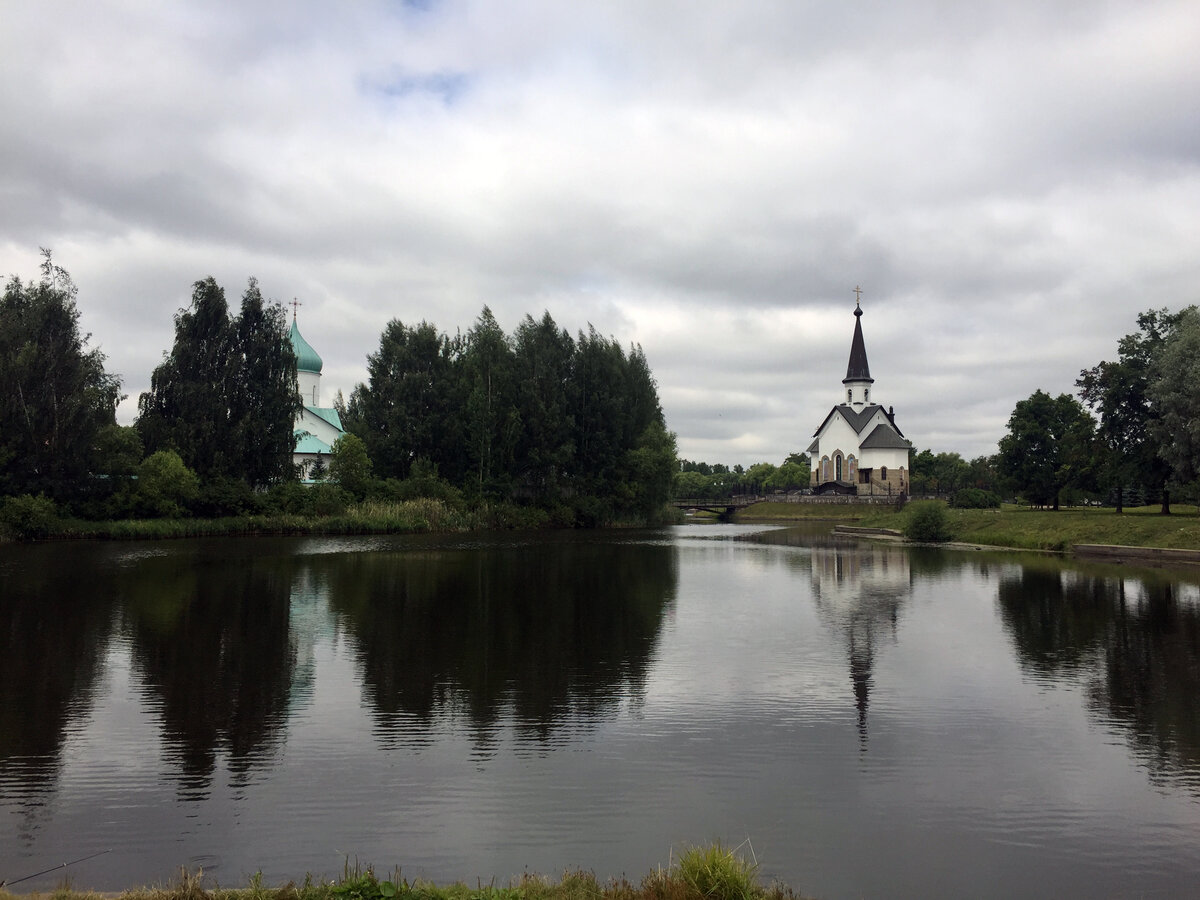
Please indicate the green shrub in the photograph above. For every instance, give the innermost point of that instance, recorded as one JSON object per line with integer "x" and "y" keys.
{"x": 289, "y": 497}
{"x": 165, "y": 485}
{"x": 327, "y": 500}
{"x": 715, "y": 873}
{"x": 28, "y": 517}
{"x": 223, "y": 496}
{"x": 927, "y": 522}
{"x": 510, "y": 516}
{"x": 349, "y": 465}
{"x": 591, "y": 512}
{"x": 974, "y": 498}
{"x": 422, "y": 481}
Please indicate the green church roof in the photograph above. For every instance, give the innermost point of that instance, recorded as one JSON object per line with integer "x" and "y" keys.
{"x": 307, "y": 359}
{"x": 308, "y": 443}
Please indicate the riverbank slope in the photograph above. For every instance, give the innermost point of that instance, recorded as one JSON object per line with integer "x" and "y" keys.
{"x": 1012, "y": 526}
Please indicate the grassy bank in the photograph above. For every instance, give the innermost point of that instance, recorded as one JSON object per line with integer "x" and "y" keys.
{"x": 700, "y": 873}
{"x": 407, "y": 517}
{"x": 1013, "y": 526}
{"x": 419, "y": 516}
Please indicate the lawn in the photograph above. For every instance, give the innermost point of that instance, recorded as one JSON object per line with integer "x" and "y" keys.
{"x": 1017, "y": 526}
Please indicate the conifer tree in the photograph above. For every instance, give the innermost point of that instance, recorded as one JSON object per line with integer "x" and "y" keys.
{"x": 55, "y": 396}
{"x": 226, "y": 396}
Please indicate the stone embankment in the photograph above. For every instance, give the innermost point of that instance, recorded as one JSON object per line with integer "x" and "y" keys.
{"x": 1117, "y": 553}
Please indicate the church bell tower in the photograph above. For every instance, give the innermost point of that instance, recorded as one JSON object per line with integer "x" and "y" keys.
{"x": 858, "y": 380}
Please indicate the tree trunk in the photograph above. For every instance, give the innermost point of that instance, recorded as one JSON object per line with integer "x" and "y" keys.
{"x": 1166, "y": 501}
{"x": 1120, "y": 498}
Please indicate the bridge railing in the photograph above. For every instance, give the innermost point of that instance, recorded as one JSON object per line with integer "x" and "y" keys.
{"x": 698, "y": 502}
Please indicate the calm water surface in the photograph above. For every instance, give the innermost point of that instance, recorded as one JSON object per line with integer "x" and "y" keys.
{"x": 875, "y": 722}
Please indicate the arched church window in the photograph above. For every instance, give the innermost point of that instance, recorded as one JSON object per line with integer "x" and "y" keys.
{"x": 849, "y": 396}
{"x": 883, "y": 472}
{"x": 866, "y": 395}
{"x": 837, "y": 463}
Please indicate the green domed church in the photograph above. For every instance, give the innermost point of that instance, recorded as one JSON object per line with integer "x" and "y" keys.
{"x": 316, "y": 427}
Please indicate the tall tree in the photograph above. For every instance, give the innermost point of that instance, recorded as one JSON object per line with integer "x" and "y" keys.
{"x": 55, "y": 396}
{"x": 265, "y": 397}
{"x": 1174, "y": 394}
{"x": 1048, "y": 447}
{"x": 599, "y": 412}
{"x": 544, "y": 362}
{"x": 1119, "y": 393}
{"x": 225, "y": 397}
{"x": 493, "y": 424}
{"x": 406, "y": 411}
{"x": 187, "y": 406}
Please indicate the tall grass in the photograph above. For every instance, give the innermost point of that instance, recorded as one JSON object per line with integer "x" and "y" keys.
{"x": 369, "y": 517}
{"x": 711, "y": 872}
{"x": 714, "y": 872}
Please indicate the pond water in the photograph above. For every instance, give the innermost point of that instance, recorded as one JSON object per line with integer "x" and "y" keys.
{"x": 866, "y": 720}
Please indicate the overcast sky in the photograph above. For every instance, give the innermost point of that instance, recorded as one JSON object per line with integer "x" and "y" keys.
{"x": 1009, "y": 182}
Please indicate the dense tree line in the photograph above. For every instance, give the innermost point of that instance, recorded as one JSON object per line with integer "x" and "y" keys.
{"x": 945, "y": 474}
{"x": 571, "y": 424}
{"x": 1137, "y": 436}
{"x": 1131, "y": 436}
{"x": 537, "y": 416}
{"x": 716, "y": 481}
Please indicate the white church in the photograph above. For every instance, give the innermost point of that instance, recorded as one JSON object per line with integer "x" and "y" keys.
{"x": 316, "y": 427}
{"x": 859, "y": 449}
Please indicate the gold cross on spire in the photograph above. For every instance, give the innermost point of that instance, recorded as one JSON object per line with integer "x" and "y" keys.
{"x": 857, "y": 295}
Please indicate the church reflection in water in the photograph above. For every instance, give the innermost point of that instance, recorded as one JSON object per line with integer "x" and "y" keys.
{"x": 858, "y": 590}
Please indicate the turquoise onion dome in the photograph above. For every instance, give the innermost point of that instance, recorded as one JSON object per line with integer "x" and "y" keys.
{"x": 307, "y": 359}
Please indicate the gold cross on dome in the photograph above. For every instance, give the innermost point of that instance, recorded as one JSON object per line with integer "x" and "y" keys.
{"x": 294, "y": 304}
{"x": 857, "y": 295}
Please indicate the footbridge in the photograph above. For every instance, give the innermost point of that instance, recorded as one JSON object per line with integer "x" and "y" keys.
{"x": 723, "y": 508}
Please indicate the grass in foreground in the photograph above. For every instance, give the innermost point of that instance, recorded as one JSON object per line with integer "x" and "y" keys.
{"x": 711, "y": 872}
{"x": 1019, "y": 527}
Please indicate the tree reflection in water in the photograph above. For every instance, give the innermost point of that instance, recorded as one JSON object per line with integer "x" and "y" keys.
{"x": 1134, "y": 642}
{"x": 552, "y": 636}
{"x": 211, "y": 639}
{"x": 53, "y": 638}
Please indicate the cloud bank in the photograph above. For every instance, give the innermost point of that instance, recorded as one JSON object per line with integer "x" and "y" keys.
{"x": 1009, "y": 183}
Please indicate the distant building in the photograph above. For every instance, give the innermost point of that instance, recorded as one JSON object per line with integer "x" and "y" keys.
{"x": 317, "y": 427}
{"x": 859, "y": 449}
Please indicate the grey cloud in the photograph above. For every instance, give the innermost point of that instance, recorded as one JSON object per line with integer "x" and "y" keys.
{"x": 1009, "y": 183}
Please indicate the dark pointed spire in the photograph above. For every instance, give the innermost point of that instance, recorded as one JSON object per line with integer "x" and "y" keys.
{"x": 858, "y": 370}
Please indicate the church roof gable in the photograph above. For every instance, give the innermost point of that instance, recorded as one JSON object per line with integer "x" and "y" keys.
{"x": 884, "y": 437}
{"x": 856, "y": 419}
{"x": 308, "y": 443}
{"x": 329, "y": 414}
